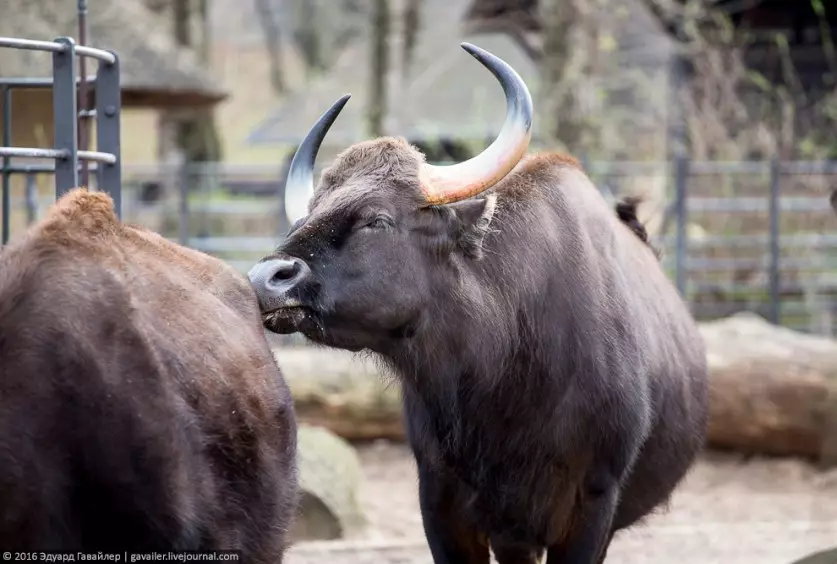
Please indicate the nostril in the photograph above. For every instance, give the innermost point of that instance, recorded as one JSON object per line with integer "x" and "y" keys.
{"x": 285, "y": 270}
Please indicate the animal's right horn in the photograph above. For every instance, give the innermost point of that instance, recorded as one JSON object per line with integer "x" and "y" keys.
{"x": 299, "y": 185}
{"x": 446, "y": 184}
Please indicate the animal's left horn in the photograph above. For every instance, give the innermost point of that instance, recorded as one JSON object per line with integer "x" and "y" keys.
{"x": 446, "y": 184}
{"x": 299, "y": 185}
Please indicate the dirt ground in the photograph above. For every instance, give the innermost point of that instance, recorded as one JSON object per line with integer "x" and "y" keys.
{"x": 729, "y": 510}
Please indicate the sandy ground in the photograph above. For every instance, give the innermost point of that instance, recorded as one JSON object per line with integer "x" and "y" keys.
{"x": 729, "y": 510}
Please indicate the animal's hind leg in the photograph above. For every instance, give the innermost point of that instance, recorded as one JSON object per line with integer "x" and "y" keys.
{"x": 589, "y": 539}
{"x": 451, "y": 538}
{"x": 607, "y": 545}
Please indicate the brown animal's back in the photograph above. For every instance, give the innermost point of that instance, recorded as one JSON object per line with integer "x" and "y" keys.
{"x": 140, "y": 405}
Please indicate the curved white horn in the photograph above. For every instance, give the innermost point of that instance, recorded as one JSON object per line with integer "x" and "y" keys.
{"x": 299, "y": 185}
{"x": 446, "y": 184}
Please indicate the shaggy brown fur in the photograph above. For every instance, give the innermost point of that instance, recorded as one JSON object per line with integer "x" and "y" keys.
{"x": 140, "y": 405}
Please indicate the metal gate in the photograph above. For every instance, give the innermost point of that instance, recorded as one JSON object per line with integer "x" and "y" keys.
{"x": 66, "y": 154}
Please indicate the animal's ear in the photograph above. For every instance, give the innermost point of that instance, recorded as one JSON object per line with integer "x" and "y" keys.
{"x": 833, "y": 200}
{"x": 474, "y": 218}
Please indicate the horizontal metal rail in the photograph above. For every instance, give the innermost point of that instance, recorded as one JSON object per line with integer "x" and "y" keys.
{"x": 93, "y": 53}
{"x": 798, "y": 240}
{"x": 625, "y": 168}
{"x": 756, "y": 265}
{"x": 756, "y": 204}
{"x": 233, "y": 244}
{"x": 26, "y": 152}
{"x": 57, "y": 47}
{"x": 35, "y": 169}
{"x": 32, "y": 45}
{"x": 25, "y": 82}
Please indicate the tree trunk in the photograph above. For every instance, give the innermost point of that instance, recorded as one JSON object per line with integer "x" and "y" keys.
{"x": 412, "y": 25}
{"x": 308, "y": 37}
{"x": 565, "y": 69}
{"x": 194, "y": 131}
{"x": 273, "y": 43}
{"x": 380, "y": 67}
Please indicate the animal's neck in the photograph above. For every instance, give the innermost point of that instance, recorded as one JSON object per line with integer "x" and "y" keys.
{"x": 456, "y": 342}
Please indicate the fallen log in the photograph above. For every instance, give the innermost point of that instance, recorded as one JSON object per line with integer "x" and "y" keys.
{"x": 821, "y": 557}
{"x": 773, "y": 390}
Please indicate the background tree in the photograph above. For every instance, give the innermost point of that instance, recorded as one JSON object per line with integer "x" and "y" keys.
{"x": 268, "y": 14}
{"x": 380, "y": 66}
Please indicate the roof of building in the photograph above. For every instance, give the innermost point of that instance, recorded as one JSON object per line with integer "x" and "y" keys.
{"x": 154, "y": 70}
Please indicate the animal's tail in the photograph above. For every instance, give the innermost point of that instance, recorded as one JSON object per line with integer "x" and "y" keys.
{"x": 626, "y": 211}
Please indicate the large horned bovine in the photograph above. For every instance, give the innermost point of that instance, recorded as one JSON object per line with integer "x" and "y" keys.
{"x": 554, "y": 382}
{"x": 140, "y": 405}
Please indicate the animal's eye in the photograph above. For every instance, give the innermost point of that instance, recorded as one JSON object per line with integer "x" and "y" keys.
{"x": 380, "y": 222}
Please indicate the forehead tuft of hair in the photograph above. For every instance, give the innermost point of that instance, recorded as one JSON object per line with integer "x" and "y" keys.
{"x": 385, "y": 157}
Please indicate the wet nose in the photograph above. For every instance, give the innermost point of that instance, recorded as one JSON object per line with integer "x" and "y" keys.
{"x": 274, "y": 278}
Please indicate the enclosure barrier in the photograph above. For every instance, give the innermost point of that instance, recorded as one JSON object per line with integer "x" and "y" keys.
{"x": 65, "y": 153}
{"x": 685, "y": 171}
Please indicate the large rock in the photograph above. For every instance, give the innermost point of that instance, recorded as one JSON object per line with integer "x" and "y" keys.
{"x": 345, "y": 393}
{"x": 329, "y": 476}
{"x": 773, "y": 390}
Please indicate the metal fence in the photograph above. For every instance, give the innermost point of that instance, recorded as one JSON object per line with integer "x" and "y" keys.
{"x": 65, "y": 152}
{"x": 745, "y": 236}
{"x": 755, "y": 236}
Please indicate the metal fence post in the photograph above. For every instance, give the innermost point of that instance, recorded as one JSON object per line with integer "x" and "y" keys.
{"x": 64, "y": 112}
{"x": 183, "y": 206}
{"x": 775, "y": 252}
{"x": 7, "y": 142}
{"x": 108, "y": 108}
{"x": 681, "y": 171}
{"x": 31, "y": 198}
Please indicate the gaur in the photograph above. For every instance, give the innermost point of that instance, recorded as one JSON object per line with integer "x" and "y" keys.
{"x": 141, "y": 408}
{"x": 554, "y": 381}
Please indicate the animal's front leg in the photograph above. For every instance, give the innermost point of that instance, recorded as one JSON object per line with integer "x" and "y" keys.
{"x": 589, "y": 538}
{"x": 452, "y": 540}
